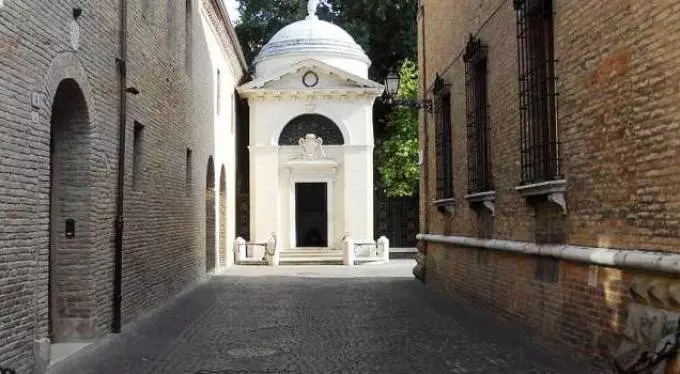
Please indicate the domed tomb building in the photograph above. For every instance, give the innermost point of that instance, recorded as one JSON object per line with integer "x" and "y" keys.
{"x": 311, "y": 138}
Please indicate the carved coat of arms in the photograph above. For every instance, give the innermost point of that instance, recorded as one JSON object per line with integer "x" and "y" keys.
{"x": 312, "y": 147}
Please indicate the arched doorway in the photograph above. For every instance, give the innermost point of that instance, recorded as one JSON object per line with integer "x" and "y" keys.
{"x": 210, "y": 252}
{"x": 70, "y": 309}
{"x": 223, "y": 217}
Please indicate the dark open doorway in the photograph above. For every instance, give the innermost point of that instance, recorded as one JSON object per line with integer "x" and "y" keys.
{"x": 70, "y": 306}
{"x": 311, "y": 215}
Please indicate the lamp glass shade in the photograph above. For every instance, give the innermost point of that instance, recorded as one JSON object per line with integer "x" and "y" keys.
{"x": 392, "y": 83}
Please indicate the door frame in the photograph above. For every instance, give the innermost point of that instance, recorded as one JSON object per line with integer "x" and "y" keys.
{"x": 293, "y": 207}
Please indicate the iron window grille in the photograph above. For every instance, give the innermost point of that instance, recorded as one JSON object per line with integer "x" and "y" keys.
{"x": 479, "y": 160}
{"x": 537, "y": 91}
{"x": 444, "y": 166}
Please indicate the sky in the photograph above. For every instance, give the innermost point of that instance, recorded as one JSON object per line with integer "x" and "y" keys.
{"x": 232, "y": 6}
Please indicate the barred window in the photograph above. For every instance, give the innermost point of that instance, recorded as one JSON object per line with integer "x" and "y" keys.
{"x": 443, "y": 140}
{"x": 479, "y": 165}
{"x": 537, "y": 91}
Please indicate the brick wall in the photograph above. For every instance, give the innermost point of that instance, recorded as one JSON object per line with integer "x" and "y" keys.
{"x": 619, "y": 123}
{"x": 165, "y": 230}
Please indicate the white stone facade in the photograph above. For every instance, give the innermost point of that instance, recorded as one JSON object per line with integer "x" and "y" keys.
{"x": 311, "y": 68}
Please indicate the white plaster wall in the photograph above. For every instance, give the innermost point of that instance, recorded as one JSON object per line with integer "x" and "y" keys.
{"x": 224, "y": 130}
{"x": 275, "y": 64}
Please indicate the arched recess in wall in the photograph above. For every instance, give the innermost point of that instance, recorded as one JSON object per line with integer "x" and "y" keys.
{"x": 223, "y": 218}
{"x": 316, "y": 124}
{"x": 210, "y": 252}
{"x": 69, "y": 242}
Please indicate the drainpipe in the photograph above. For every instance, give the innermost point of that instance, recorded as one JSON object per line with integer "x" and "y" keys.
{"x": 426, "y": 171}
{"x": 120, "y": 207}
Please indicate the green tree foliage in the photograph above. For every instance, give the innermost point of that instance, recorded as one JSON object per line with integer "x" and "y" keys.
{"x": 397, "y": 155}
{"x": 386, "y": 30}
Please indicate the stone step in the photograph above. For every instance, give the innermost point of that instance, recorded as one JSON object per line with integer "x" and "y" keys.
{"x": 290, "y": 254}
{"x": 251, "y": 261}
{"x": 311, "y": 261}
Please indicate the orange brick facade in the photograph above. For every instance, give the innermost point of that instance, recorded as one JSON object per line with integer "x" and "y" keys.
{"x": 619, "y": 133}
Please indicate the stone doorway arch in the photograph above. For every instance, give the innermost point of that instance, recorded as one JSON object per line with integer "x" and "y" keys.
{"x": 70, "y": 297}
{"x": 210, "y": 250}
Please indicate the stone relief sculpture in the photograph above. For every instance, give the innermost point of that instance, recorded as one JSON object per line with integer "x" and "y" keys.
{"x": 312, "y": 147}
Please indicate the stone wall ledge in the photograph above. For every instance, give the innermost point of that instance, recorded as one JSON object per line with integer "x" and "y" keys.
{"x": 655, "y": 261}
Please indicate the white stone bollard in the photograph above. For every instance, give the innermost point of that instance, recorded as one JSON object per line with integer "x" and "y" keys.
{"x": 348, "y": 252}
{"x": 272, "y": 247}
{"x": 239, "y": 249}
{"x": 384, "y": 243}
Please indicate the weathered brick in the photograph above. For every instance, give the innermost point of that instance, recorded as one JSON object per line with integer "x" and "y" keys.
{"x": 165, "y": 231}
{"x": 618, "y": 117}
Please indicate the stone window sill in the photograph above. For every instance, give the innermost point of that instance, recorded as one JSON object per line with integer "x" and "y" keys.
{"x": 445, "y": 206}
{"x": 554, "y": 191}
{"x": 487, "y": 199}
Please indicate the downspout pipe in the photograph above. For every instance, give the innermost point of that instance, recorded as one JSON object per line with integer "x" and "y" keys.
{"x": 120, "y": 206}
{"x": 426, "y": 144}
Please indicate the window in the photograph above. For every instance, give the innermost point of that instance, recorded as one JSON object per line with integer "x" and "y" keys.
{"x": 189, "y": 172}
{"x": 218, "y": 98}
{"x": 444, "y": 166}
{"x": 479, "y": 165}
{"x": 188, "y": 26}
{"x": 137, "y": 143}
{"x": 537, "y": 91}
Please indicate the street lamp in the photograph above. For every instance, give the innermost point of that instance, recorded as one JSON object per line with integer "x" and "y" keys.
{"x": 392, "y": 83}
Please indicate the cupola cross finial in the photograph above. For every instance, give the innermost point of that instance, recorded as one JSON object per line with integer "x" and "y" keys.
{"x": 312, "y": 6}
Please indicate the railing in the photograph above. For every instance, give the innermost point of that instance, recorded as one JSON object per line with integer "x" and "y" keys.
{"x": 648, "y": 361}
{"x": 270, "y": 252}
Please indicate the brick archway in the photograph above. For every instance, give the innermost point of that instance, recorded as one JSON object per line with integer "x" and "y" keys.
{"x": 70, "y": 308}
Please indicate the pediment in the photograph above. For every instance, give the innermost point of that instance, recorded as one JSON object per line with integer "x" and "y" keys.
{"x": 313, "y": 76}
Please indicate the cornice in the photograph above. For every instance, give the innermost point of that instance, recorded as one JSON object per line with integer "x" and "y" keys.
{"x": 328, "y": 94}
{"x": 222, "y": 27}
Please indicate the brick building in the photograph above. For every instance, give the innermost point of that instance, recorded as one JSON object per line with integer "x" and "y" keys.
{"x": 550, "y": 177}
{"x": 70, "y": 73}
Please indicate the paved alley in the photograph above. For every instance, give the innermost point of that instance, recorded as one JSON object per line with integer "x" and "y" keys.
{"x": 311, "y": 319}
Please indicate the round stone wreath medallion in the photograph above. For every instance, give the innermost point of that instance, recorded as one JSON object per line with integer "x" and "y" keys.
{"x": 310, "y": 79}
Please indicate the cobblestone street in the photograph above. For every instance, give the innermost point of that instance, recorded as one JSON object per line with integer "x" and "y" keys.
{"x": 310, "y": 319}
